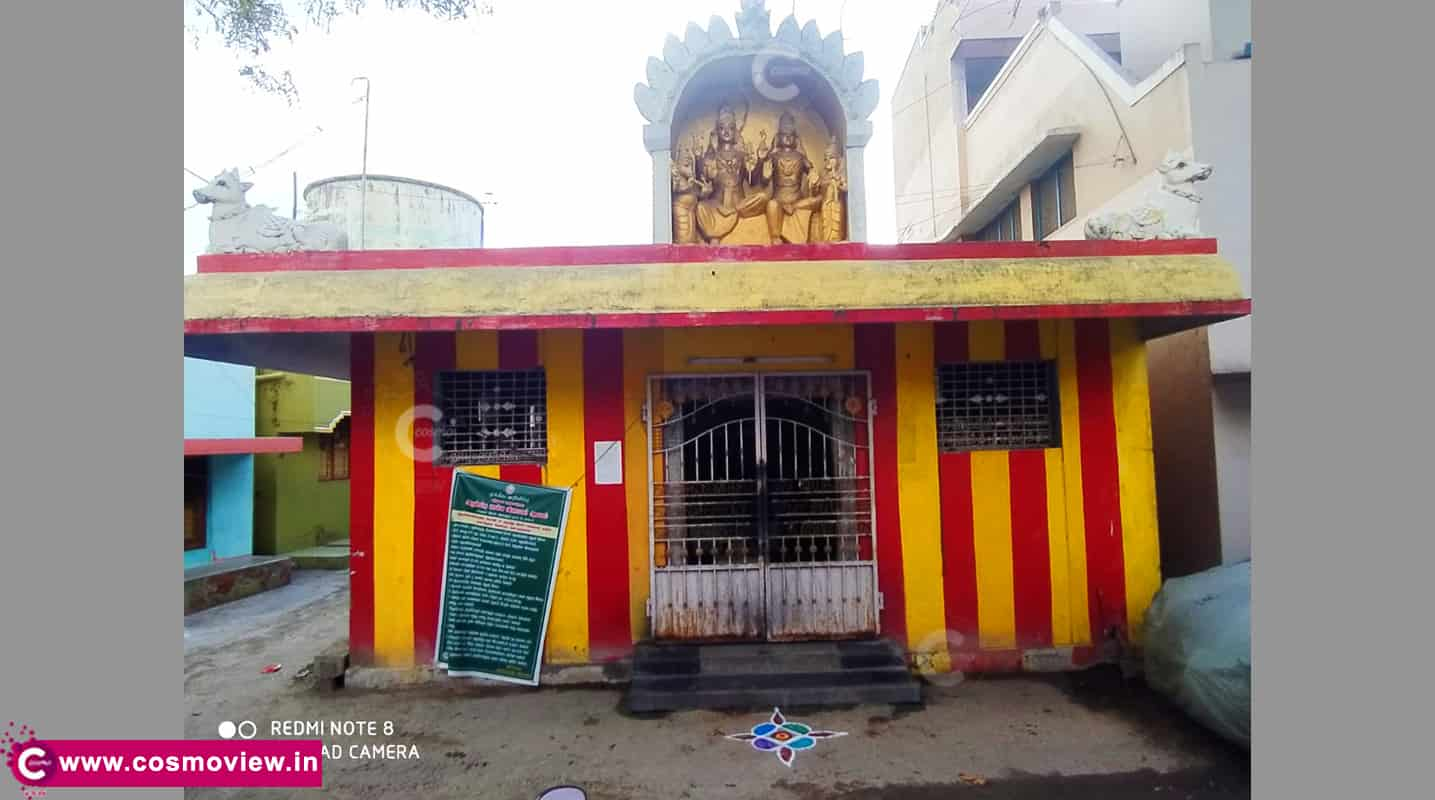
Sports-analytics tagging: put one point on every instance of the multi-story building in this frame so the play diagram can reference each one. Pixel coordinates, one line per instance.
(219, 450)
(301, 499)
(1021, 120)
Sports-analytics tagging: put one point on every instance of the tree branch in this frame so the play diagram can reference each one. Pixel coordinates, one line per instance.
(249, 26)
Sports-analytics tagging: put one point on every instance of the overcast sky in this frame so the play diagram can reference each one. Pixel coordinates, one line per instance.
(533, 104)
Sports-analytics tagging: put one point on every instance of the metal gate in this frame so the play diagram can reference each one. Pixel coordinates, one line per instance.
(761, 512)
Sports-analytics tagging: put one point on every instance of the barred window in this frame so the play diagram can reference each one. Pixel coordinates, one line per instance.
(492, 417)
(334, 453)
(998, 405)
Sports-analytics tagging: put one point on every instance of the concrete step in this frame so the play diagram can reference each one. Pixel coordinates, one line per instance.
(326, 556)
(768, 656)
(683, 676)
(781, 697)
(231, 579)
(706, 682)
(322, 561)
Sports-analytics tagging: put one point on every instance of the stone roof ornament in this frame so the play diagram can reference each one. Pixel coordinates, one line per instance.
(237, 227)
(753, 20)
(682, 58)
(1170, 211)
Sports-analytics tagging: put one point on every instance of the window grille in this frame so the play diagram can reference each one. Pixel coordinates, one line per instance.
(999, 405)
(334, 453)
(492, 417)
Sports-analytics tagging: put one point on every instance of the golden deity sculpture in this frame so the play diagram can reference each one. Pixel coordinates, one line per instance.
(729, 182)
(687, 188)
(829, 224)
(787, 171)
(728, 189)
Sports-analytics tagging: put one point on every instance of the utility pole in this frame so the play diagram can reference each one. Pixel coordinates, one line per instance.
(931, 154)
(364, 175)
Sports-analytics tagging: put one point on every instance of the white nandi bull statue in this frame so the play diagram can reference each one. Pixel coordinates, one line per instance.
(237, 227)
(1169, 212)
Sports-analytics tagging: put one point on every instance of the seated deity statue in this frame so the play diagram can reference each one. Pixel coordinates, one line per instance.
(790, 179)
(727, 169)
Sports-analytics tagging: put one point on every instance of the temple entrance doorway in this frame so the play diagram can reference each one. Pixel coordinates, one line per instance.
(762, 522)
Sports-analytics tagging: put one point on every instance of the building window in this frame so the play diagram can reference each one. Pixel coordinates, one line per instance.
(492, 417)
(998, 405)
(1053, 198)
(1006, 227)
(978, 61)
(980, 72)
(334, 453)
(196, 490)
(1109, 43)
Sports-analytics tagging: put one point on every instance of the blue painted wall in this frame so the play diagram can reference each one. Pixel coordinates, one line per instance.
(229, 529)
(219, 404)
(218, 400)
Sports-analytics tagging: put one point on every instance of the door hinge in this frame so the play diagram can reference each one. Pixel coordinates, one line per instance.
(645, 412)
(648, 607)
(872, 403)
(881, 602)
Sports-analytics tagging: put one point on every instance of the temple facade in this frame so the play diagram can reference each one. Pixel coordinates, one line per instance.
(773, 430)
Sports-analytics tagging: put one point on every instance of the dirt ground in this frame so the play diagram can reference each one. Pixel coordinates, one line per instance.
(1086, 735)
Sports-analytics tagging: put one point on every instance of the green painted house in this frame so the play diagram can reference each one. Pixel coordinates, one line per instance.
(301, 500)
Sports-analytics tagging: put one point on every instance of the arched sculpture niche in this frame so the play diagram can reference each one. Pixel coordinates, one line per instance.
(757, 139)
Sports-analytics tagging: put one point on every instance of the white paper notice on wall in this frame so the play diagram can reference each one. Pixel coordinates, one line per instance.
(607, 463)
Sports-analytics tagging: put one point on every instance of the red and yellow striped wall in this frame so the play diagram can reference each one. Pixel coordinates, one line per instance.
(981, 556)
(1004, 552)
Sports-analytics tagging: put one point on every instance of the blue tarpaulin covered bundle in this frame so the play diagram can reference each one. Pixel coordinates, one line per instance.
(1198, 648)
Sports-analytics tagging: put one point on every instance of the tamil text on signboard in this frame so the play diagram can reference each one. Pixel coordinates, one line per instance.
(500, 560)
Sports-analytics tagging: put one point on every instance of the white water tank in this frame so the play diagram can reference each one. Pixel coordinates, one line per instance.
(403, 213)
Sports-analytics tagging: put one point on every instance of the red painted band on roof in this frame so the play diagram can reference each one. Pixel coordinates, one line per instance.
(254, 445)
(682, 319)
(668, 253)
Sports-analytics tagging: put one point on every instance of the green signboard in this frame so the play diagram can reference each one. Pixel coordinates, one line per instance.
(500, 562)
